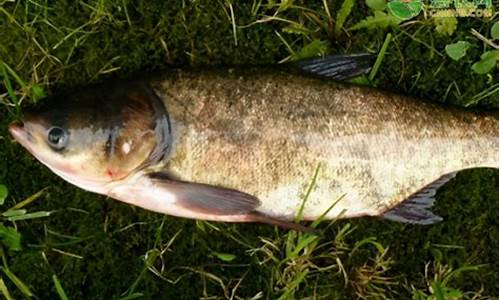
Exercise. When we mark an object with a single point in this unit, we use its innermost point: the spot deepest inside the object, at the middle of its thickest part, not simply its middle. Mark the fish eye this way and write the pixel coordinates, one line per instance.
(57, 138)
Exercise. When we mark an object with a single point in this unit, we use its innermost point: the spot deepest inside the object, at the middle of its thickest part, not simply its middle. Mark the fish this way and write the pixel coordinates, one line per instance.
(276, 144)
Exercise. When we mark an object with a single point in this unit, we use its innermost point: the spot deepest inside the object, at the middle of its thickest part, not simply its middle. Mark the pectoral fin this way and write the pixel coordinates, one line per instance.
(415, 209)
(219, 201)
(207, 199)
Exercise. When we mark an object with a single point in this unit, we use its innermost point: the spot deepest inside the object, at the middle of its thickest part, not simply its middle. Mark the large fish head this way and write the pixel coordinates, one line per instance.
(93, 138)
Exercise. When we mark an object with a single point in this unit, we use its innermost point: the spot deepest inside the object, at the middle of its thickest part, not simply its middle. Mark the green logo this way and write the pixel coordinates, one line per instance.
(405, 9)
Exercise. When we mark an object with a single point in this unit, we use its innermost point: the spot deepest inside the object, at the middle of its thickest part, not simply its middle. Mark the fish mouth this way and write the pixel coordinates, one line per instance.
(20, 135)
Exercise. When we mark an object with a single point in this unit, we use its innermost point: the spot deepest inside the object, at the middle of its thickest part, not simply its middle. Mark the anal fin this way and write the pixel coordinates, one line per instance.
(259, 217)
(415, 209)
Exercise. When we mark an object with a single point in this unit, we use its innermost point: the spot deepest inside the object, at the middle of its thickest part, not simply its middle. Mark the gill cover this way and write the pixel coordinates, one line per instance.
(100, 134)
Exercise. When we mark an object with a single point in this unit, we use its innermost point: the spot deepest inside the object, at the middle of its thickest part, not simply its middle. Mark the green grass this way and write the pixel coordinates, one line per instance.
(95, 248)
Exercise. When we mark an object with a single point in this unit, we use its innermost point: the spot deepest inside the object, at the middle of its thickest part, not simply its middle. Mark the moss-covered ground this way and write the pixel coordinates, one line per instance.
(102, 249)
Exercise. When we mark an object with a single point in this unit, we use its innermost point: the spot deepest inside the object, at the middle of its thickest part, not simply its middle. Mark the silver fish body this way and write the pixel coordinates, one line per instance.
(247, 144)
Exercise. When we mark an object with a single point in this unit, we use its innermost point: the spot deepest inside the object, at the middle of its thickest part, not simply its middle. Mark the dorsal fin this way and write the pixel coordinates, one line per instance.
(337, 67)
(415, 208)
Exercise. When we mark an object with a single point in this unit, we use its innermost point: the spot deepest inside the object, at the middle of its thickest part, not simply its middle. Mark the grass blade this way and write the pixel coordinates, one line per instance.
(59, 288)
(35, 215)
(29, 199)
(291, 287)
(19, 284)
(4, 290)
(342, 15)
(300, 214)
(8, 85)
(132, 296)
(380, 57)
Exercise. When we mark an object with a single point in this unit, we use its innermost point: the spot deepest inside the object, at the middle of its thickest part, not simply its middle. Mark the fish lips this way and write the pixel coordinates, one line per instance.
(23, 136)
(20, 135)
